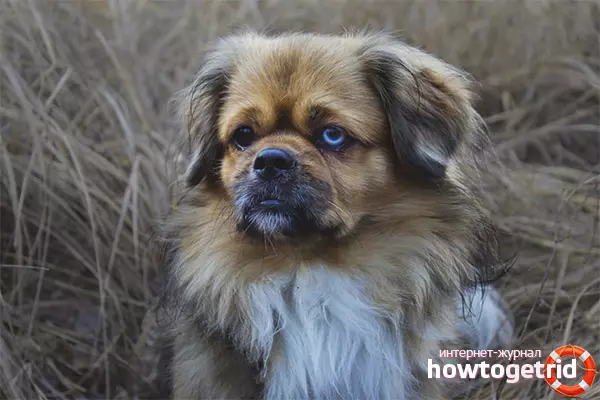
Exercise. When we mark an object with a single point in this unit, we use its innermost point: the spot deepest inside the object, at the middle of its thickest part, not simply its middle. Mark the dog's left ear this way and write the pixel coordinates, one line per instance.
(427, 102)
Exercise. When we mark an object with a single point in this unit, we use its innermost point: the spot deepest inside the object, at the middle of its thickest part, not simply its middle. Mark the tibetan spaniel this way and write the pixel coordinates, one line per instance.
(328, 237)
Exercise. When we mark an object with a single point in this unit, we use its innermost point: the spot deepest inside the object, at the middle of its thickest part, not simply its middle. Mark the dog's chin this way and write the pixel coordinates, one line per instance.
(274, 220)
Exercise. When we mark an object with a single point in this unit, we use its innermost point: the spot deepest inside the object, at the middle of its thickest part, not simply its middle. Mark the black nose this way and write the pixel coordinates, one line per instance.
(271, 163)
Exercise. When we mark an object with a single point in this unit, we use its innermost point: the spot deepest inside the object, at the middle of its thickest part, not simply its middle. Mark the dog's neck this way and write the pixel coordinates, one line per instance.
(318, 332)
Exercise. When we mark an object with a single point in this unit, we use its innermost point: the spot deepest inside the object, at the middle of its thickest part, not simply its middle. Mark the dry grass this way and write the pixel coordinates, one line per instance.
(84, 123)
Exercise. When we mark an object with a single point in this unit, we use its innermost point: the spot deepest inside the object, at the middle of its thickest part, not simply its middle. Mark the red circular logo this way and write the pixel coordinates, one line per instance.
(588, 377)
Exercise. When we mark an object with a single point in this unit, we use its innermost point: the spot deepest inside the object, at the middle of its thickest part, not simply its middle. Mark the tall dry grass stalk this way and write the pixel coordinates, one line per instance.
(85, 126)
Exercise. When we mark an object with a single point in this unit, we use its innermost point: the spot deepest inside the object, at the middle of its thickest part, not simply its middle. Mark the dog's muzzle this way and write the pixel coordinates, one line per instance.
(278, 198)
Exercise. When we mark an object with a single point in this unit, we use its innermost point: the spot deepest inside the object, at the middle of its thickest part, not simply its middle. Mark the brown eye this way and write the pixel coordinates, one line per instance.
(243, 137)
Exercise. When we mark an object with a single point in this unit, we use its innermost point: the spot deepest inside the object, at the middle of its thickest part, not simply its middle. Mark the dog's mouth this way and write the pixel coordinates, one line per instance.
(276, 218)
(272, 204)
(281, 210)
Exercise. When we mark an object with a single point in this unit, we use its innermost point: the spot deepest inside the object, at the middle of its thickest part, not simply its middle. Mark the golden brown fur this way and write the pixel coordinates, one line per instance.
(399, 212)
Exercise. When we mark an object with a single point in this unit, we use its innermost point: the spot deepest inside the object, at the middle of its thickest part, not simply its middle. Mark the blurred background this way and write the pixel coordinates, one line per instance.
(85, 130)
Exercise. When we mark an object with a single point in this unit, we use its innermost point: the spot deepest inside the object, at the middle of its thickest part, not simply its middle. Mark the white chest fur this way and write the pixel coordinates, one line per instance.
(334, 344)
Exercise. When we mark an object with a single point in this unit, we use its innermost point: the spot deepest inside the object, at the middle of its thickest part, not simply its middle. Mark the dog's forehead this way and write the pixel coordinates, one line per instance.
(292, 78)
(288, 71)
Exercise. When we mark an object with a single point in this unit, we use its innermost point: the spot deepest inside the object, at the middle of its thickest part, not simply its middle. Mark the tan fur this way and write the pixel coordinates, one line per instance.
(410, 238)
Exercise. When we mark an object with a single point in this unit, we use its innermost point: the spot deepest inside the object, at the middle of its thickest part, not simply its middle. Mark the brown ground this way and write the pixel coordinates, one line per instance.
(84, 120)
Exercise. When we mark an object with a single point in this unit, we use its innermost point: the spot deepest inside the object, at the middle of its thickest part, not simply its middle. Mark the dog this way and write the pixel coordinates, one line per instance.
(328, 237)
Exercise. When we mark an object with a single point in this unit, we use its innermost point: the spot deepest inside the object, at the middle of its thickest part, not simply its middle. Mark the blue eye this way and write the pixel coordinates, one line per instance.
(333, 138)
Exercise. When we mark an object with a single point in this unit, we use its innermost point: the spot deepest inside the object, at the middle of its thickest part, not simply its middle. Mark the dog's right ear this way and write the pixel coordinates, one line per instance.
(198, 107)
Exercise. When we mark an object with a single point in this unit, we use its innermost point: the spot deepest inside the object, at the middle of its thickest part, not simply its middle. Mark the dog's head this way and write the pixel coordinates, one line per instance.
(307, 135)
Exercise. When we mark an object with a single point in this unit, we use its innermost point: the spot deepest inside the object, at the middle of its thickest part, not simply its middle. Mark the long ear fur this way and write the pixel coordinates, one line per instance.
(198, 107)
(428, 103)
(435, 130)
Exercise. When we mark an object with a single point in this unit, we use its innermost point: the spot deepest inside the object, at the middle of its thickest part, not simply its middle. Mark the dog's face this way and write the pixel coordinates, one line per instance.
(304, 139)
(308, 135)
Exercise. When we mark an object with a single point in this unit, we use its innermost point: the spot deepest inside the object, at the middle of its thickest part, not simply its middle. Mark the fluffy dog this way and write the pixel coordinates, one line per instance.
(329, 235)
